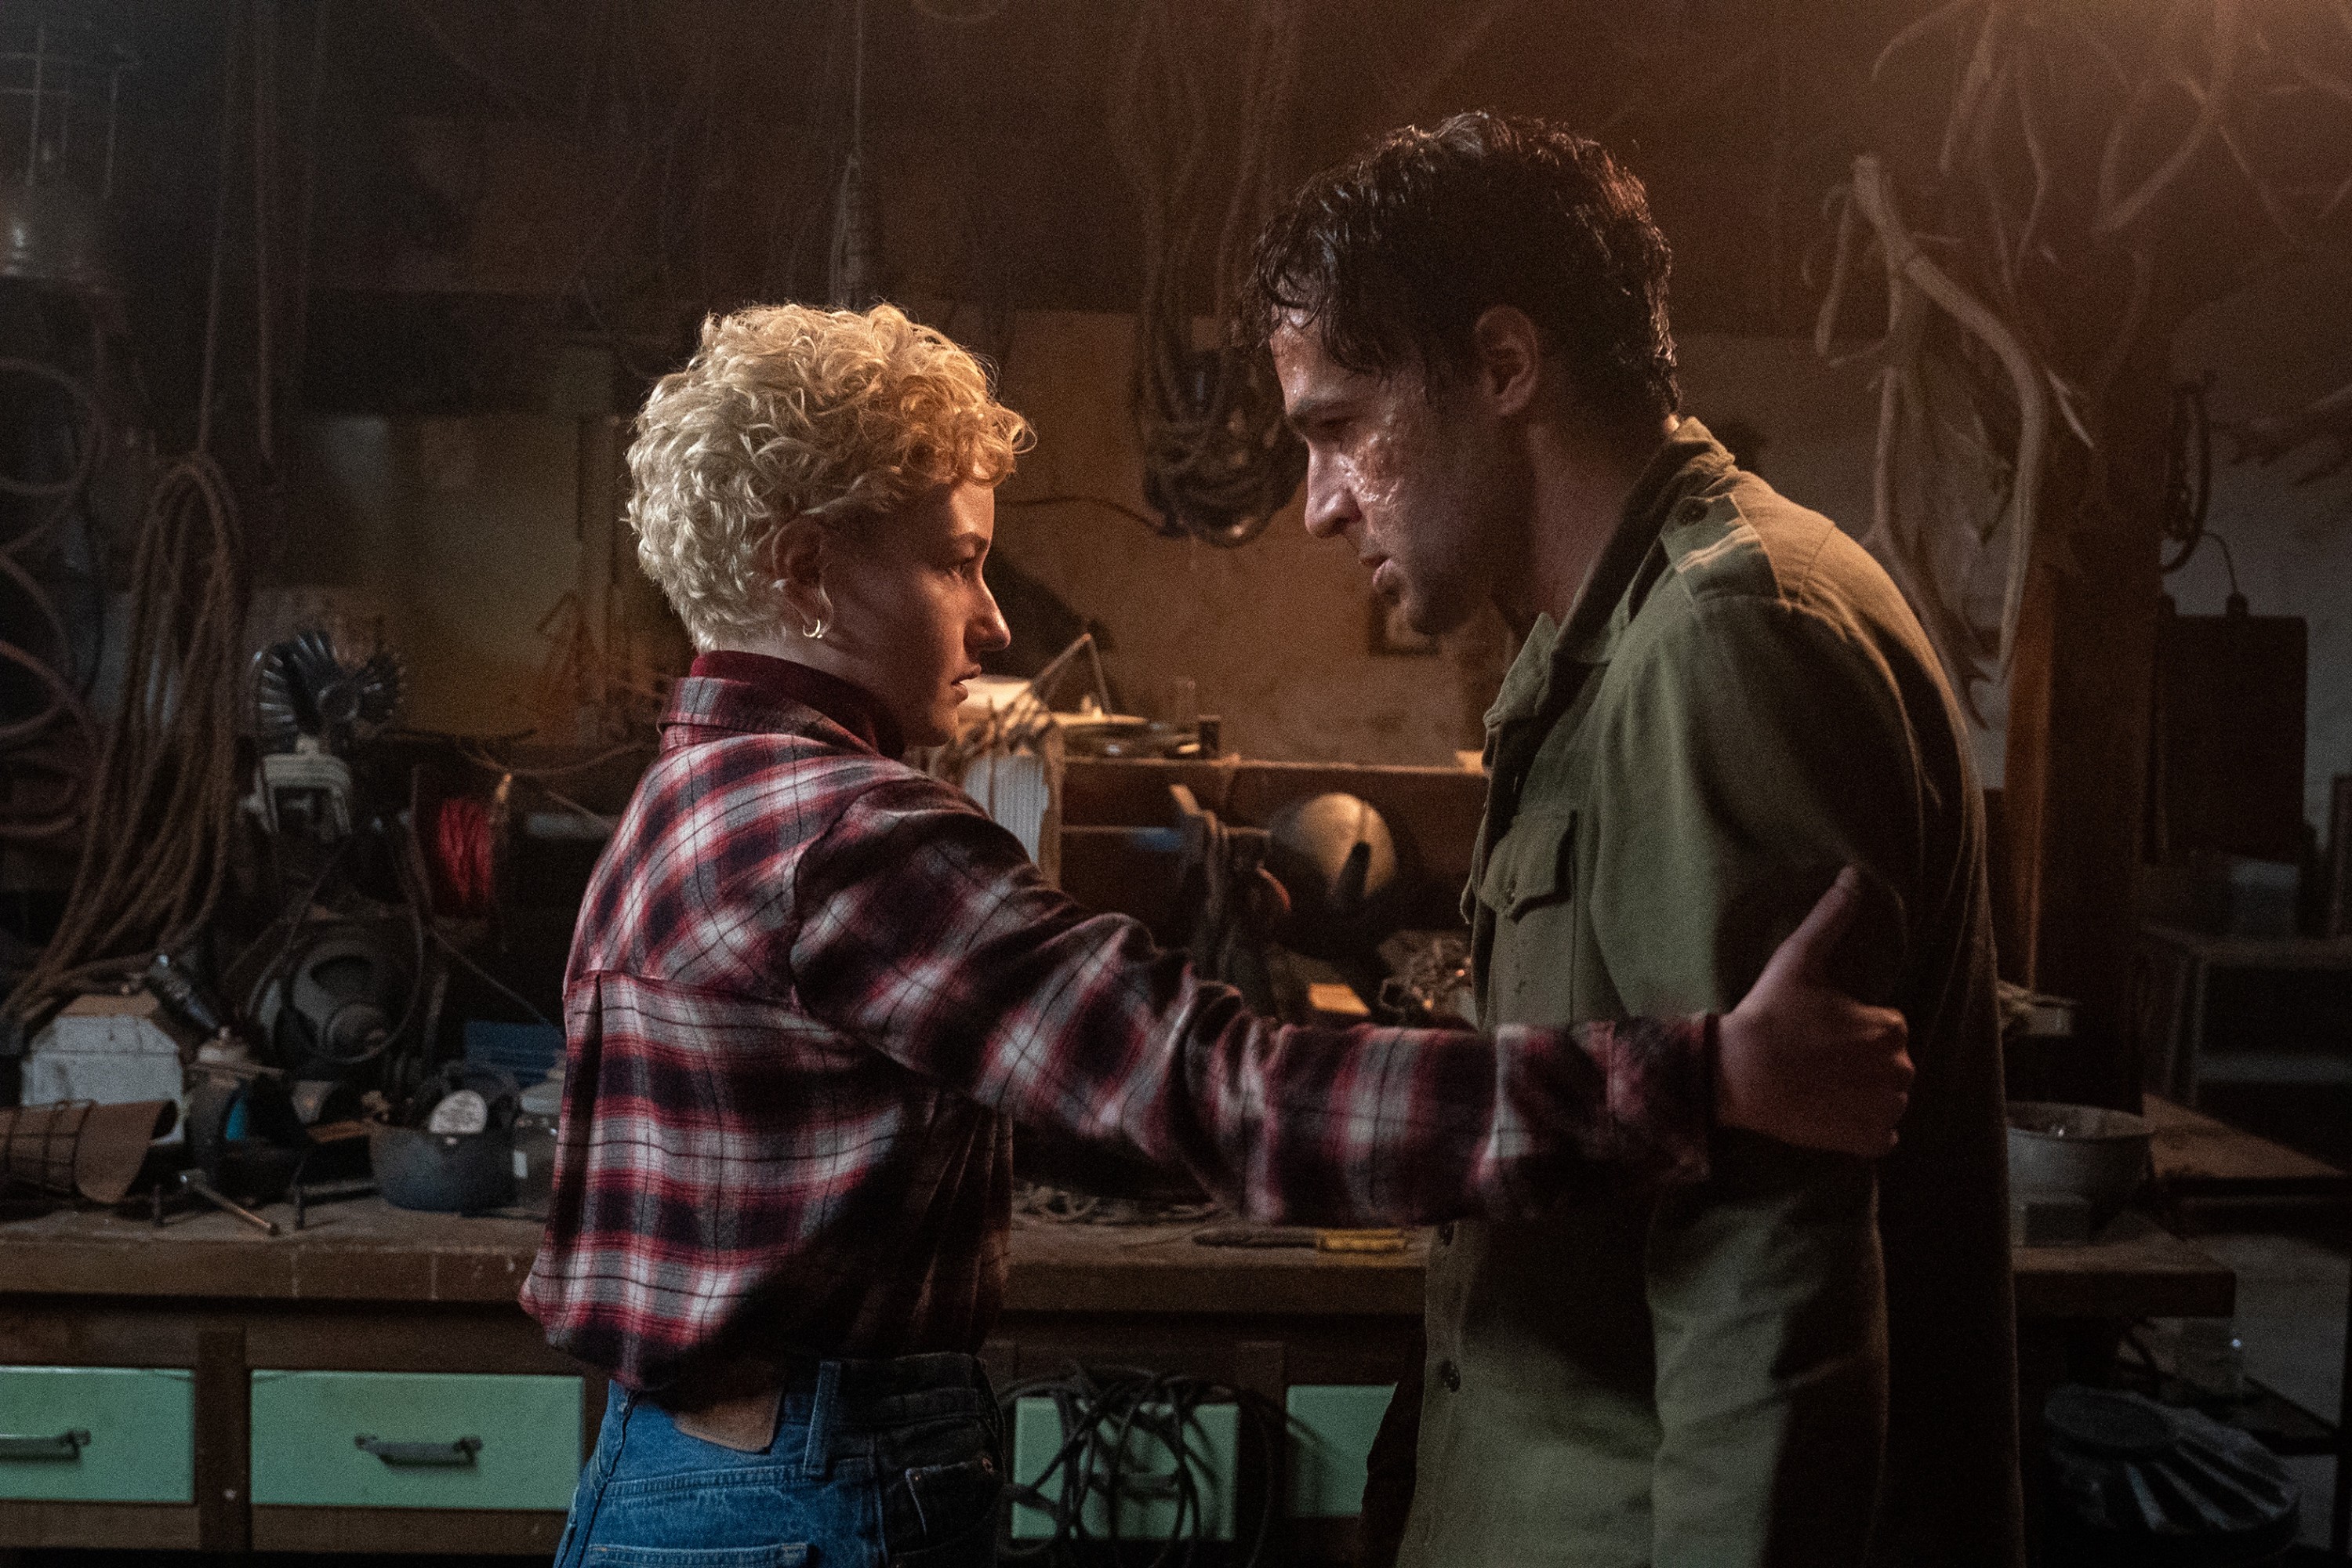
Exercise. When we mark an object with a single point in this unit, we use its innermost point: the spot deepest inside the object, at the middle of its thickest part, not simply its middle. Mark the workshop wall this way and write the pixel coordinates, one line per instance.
(2283, 342)
(1277, 636)
(462, 534)
(459, 535)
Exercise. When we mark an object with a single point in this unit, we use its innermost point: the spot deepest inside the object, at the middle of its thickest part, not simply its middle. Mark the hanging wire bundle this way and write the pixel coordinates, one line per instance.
(1112, 1422)
(164, 805)
(58, 739)
(1218, 460)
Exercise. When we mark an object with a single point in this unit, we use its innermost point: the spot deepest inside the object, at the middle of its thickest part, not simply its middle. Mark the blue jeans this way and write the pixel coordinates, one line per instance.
(873, 1463)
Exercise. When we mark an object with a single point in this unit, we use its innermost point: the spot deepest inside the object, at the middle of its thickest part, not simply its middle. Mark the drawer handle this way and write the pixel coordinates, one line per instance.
(64, 1446)
(447, 1456)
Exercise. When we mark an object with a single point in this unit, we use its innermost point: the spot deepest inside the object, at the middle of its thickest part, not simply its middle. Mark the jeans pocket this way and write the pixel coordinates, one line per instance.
(792, 1556)
(955, 1506)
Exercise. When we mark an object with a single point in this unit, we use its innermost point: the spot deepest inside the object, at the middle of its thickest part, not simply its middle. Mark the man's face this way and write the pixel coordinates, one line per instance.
(914, 616)
(1413, 478)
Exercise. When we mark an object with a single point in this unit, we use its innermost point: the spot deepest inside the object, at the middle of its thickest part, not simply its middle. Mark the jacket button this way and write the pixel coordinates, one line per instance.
(1450, 1375)
(1446, 1234)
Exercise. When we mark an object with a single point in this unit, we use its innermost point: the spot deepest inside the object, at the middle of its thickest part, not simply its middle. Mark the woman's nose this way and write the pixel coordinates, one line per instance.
(991, 632)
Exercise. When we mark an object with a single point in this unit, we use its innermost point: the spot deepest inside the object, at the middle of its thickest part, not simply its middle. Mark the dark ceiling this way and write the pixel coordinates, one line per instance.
(454, 185)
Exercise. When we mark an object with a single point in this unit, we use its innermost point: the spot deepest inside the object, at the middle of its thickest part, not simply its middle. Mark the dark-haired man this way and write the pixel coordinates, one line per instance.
(1807, 1360)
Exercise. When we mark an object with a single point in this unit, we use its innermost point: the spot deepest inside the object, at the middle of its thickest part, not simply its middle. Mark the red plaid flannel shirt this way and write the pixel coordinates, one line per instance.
(812, 990)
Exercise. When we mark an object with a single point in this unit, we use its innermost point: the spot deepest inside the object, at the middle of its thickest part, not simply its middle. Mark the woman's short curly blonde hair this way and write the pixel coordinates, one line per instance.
(785, 411)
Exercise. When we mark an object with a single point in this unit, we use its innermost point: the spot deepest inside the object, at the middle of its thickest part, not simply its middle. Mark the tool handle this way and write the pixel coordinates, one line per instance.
(443, 1455)
(63, 1446)
(225, 1203)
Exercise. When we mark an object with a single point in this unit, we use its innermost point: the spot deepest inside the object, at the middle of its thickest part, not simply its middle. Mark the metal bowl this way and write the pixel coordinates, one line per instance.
(443, 1172)
(2078, 1152)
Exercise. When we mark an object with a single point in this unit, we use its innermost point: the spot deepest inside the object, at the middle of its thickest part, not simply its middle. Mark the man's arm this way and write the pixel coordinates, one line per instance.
(1755, 749)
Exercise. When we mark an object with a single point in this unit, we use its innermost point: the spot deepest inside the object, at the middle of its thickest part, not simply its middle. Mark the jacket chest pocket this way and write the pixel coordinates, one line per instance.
(1529, 893)
(1532, 866)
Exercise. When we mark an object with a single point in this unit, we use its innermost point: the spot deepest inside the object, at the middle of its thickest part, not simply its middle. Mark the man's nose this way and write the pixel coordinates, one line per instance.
(1330, 505)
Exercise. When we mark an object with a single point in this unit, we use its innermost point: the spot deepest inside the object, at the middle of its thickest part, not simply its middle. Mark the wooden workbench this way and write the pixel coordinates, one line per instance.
(365, 1250)
(2200, 1156)
(365, 1286)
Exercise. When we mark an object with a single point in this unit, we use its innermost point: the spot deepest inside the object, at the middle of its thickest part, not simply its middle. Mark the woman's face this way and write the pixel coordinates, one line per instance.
(912, 617)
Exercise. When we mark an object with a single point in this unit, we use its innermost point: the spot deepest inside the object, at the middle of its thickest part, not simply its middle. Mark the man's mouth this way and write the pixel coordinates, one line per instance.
(1386, 580)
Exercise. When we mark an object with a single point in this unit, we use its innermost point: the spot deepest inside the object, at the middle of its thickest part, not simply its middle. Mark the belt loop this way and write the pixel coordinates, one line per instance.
(821, 1418)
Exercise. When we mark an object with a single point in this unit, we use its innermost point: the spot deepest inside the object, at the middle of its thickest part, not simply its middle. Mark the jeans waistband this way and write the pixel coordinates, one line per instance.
(843, 1394)
(831, 1398)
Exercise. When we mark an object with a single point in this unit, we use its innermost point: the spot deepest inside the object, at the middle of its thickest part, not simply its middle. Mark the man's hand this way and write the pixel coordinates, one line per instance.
(1805, 1063)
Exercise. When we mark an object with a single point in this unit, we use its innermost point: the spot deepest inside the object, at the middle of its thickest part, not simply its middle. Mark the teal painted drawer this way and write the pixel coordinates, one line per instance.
(415, 1439)
(1213, 1438)
(1331, 1429)
(96, 1434)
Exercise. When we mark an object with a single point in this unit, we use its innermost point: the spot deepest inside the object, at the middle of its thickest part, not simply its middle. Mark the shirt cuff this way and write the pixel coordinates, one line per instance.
(1660, 1106)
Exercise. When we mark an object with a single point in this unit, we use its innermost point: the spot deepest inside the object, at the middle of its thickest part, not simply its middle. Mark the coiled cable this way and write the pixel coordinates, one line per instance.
(1107, 1414)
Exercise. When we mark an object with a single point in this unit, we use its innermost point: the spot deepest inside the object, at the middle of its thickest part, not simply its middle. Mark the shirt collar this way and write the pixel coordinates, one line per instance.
(763, 680)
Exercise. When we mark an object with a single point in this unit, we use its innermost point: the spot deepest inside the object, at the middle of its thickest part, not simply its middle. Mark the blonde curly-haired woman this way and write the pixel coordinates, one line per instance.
(812, 989)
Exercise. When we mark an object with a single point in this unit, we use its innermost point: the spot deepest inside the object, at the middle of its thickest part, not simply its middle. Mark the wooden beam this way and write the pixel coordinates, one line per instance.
(2077, 740)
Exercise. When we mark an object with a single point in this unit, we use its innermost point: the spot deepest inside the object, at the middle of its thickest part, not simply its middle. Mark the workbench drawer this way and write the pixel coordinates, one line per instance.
(414, 1439)
(96, 1434)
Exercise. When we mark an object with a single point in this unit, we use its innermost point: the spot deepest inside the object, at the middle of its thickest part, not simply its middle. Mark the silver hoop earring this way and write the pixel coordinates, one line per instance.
(813, 630)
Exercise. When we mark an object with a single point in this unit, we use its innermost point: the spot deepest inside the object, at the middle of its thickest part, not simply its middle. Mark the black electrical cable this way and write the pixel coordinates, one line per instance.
(293, 917)
(2187, 475)
(487, 978)
(1103, 1411)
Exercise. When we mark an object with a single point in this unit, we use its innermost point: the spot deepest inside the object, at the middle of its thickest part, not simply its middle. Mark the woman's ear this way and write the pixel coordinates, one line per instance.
(796, 558)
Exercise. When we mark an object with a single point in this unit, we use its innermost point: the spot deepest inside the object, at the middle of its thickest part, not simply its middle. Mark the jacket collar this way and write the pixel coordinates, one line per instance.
(1690, 460)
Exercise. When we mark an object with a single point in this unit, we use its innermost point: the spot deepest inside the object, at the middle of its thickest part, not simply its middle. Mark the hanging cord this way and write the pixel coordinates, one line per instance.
(1107, 1414)
(1219, 460)
(2189, 475)
(58, 739)
(164, 806)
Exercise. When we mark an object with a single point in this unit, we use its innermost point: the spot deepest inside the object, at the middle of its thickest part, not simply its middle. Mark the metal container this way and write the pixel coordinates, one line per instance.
(2077, 1152)
(443, 1172)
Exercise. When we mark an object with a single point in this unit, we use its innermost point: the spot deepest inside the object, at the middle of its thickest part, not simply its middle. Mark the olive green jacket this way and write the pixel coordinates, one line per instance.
(1807, 1360)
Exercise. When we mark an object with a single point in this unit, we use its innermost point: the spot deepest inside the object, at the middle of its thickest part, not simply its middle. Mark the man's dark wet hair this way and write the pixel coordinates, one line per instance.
(1391, 258)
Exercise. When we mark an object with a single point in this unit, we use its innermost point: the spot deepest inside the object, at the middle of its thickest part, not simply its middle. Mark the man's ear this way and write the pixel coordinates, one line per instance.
(1508, 359)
